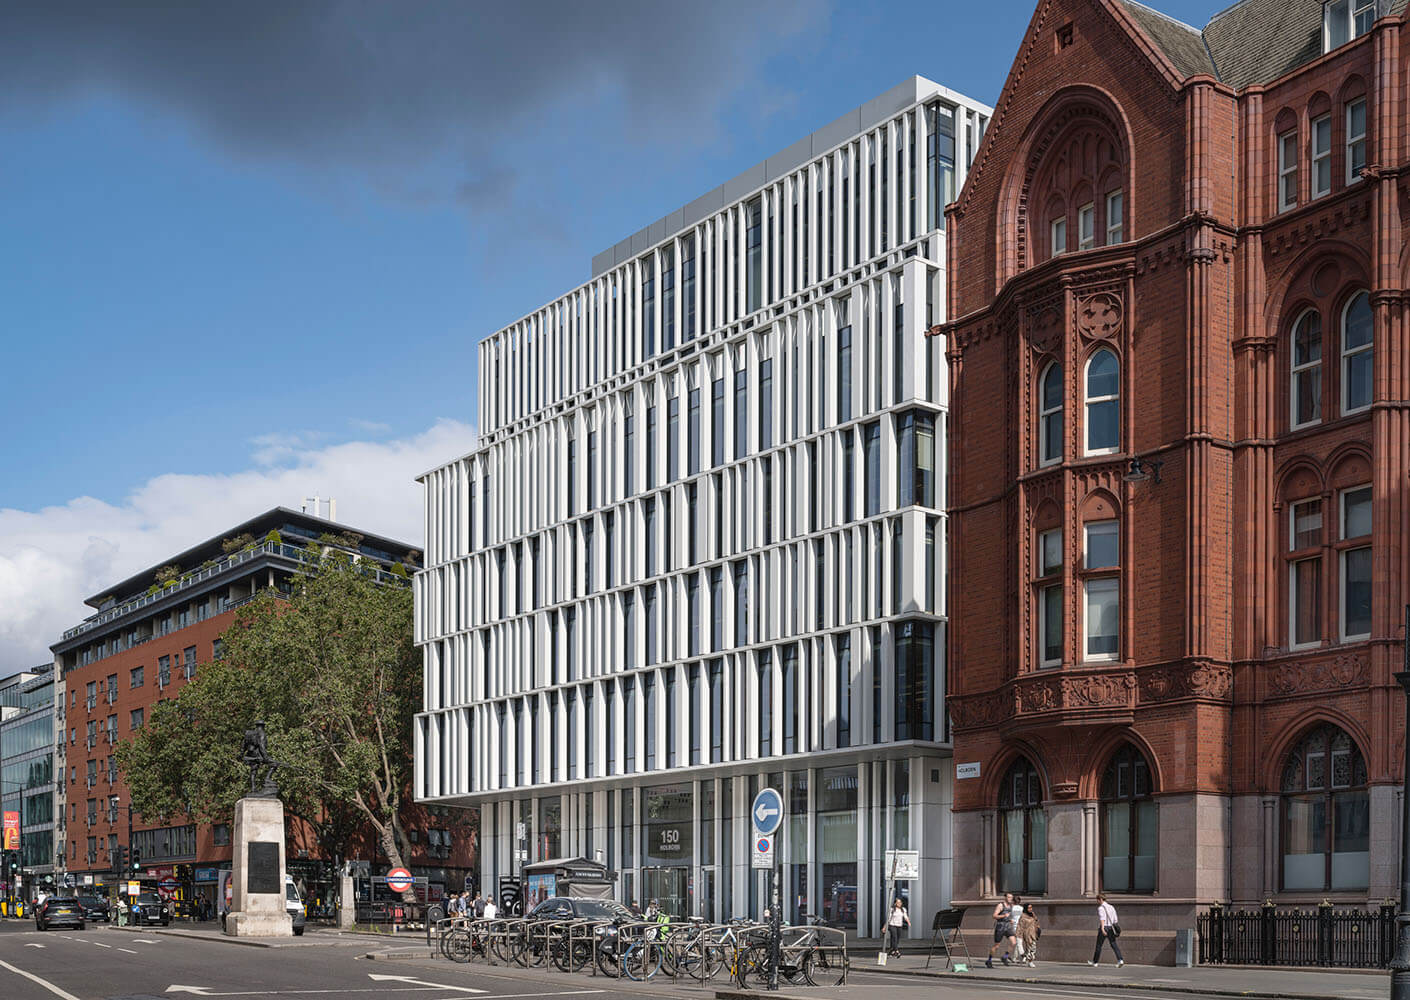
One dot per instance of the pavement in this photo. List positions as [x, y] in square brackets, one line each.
[103, 963]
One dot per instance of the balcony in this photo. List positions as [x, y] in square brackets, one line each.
[294, 553]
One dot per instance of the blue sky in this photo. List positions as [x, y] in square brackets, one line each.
[239, 238]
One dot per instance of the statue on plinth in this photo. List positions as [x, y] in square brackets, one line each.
[254, 754]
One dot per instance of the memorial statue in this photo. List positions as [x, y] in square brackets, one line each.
[254, 753]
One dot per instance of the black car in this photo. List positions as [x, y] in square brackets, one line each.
[580, 907]
[149, 908]
[59, 911]
[94, 908]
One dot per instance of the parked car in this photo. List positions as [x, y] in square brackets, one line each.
[59, 911]
[149, 908]
[95, 908]
[579, 907]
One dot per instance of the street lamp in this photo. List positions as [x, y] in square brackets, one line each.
[1400, 965]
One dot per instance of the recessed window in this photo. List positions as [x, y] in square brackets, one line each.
[1326, 814]
[1355, 602]
[1050, 415]
[1049, 572]
[1355, 140]
[1103, 403]
[1305, 573]
[1103, 545]
[1356, 354]
[1115, 218]
[1321, 156]
[1287, 170]
[1057, 233]
[1102, 609]
[1086, 226]
[1307, 369]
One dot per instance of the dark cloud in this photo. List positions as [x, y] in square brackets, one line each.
[391, 85]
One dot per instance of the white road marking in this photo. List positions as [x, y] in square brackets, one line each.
[42, 982]
[100, 944]
[34, 944]
[412, 981]
[128, 950]
[143, 941]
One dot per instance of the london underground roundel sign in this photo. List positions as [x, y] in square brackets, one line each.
[398, 880]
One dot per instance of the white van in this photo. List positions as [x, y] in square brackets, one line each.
[293, 902]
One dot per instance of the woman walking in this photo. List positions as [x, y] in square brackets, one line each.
[1028, 934]
[894, 922]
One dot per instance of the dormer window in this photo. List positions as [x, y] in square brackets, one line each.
[1343, 20]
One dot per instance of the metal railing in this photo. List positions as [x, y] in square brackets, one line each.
[1326, 936]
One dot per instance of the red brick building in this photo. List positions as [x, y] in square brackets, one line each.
[149, 636]
[1177, 334]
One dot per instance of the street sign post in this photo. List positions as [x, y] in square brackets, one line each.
[766, 813]
[898, 866]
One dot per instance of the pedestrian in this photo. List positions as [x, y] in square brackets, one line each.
[491, 911]
[897, 919]
[1029, 932]
[478, 906]
[1108, 929]
[122, 911]
[1003, 930]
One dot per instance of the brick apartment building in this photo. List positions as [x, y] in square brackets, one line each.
[1177, 330]
[147, 640]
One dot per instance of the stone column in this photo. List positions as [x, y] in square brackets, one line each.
[257, 872]
[347, 903]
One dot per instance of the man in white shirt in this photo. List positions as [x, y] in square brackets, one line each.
[1108, 929]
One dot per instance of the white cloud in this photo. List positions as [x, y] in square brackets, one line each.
[51, 559]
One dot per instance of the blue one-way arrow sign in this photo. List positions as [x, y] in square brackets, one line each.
[767, 811]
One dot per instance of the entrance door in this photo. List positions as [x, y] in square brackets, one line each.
[670, 887]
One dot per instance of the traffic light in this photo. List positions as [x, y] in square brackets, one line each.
[13, 865]
[136, 859]
[119, 858]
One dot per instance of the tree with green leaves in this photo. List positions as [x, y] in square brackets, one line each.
[332, 671]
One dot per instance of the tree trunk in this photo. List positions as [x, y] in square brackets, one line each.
[393, 851]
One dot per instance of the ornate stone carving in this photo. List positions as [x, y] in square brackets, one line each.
[981, 711]
[1040, 696]
[1099, 317]
[1302, 676]
[1098, 691]
[1202, 680]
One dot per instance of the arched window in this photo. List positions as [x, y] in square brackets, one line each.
[1128, 824]
[1356, 354]
[1307, 369]
[1326, 814]
[1103, 403]
[1023, 839]
[1050, 414]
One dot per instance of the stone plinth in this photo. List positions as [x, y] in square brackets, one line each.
[257, 872]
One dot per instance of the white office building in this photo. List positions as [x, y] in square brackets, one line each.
[700, 547]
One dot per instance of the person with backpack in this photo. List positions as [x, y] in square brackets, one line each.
[1108, 929]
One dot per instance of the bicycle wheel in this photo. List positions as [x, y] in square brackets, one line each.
[826, 968]
[535, 948]
[753, 967]
[713, 958]
[607, 960]
[461, 947]
[642, 960]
